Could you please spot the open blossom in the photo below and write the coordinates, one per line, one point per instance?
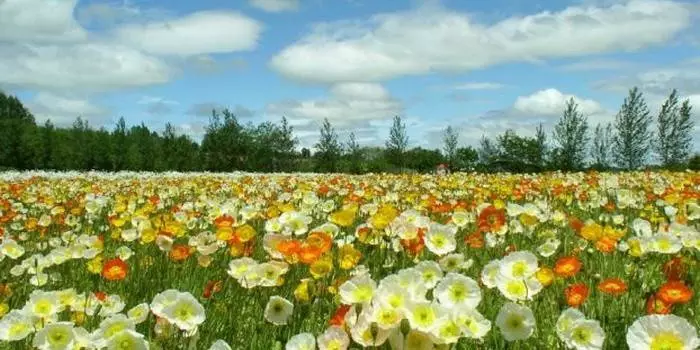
(516, 322)
(662, 332)
(278, 310)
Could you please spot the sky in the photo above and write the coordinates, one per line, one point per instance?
(480, 66)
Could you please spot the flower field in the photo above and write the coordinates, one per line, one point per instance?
(296, 261)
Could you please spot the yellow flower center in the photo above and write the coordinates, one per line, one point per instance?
(582, 335)
(666, 341)
(519, 269)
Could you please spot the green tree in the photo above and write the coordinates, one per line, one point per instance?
(328, 149)
(571, 137)
(602, 141)
(423, 160)
(488, 153)
(517, 153)
(450, 139)
(542, 152)
(674, 126)
(120, 146)
(466, 158)
(397, 143)
(354, 154)
(632, 136)
(15, 123)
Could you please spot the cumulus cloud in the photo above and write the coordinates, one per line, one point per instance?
(551, 102)
(197, 33)
(348, 103)
(63, 110)
(431, 38)
(90, 66)
(39, 21)
(275, 5)
(657, 83)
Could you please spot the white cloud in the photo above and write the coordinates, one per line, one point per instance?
(479, 86)
(597, 65)
(434, 39)
(39, 21)
(197, 33)
(348, 103)
(276, 5)
(85, 67)
(63, 110)
(551, 102)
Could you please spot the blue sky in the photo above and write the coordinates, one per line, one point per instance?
(480, 66)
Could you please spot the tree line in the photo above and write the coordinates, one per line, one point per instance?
(631, 141)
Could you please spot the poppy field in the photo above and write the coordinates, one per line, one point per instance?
(303, 261)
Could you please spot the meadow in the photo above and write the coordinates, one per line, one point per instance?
(305, 261)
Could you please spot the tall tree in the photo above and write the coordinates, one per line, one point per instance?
(571, 137)
(328, 148)
(684, 140)
(397, 143)
(450, 139)
(488, 152)
(15, 122)
(674, 126)
(286, 145)
(602, 141)
(541, 151)
(632, 135)
(354, 154)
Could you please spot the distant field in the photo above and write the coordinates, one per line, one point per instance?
(306, 261)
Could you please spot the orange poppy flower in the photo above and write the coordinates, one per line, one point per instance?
(491, 219)
(99, 295)
(657, 306)
(675, 292)
(576, 294)
(338, 318)
(414, 246)
(321, 240)
(567, 266)
(475, 240)
(613, 286)
(211, 288)
(115, 270)
(675, 269)
(224, 221)
(575, 223)
(606, 245)
(309, 253)
(180, 252)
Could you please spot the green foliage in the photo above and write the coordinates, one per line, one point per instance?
(397, 143)
(228, 145)
(466, 159)
(570, 134)
(602, 141)
(450, 140)
(632, 136)
(694, 162)
(328, 149)
(423, 160)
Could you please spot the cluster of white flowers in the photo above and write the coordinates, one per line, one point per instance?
(62, 249)
(41, 316)
(250, 274)
(513, 275)
(578, 332)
